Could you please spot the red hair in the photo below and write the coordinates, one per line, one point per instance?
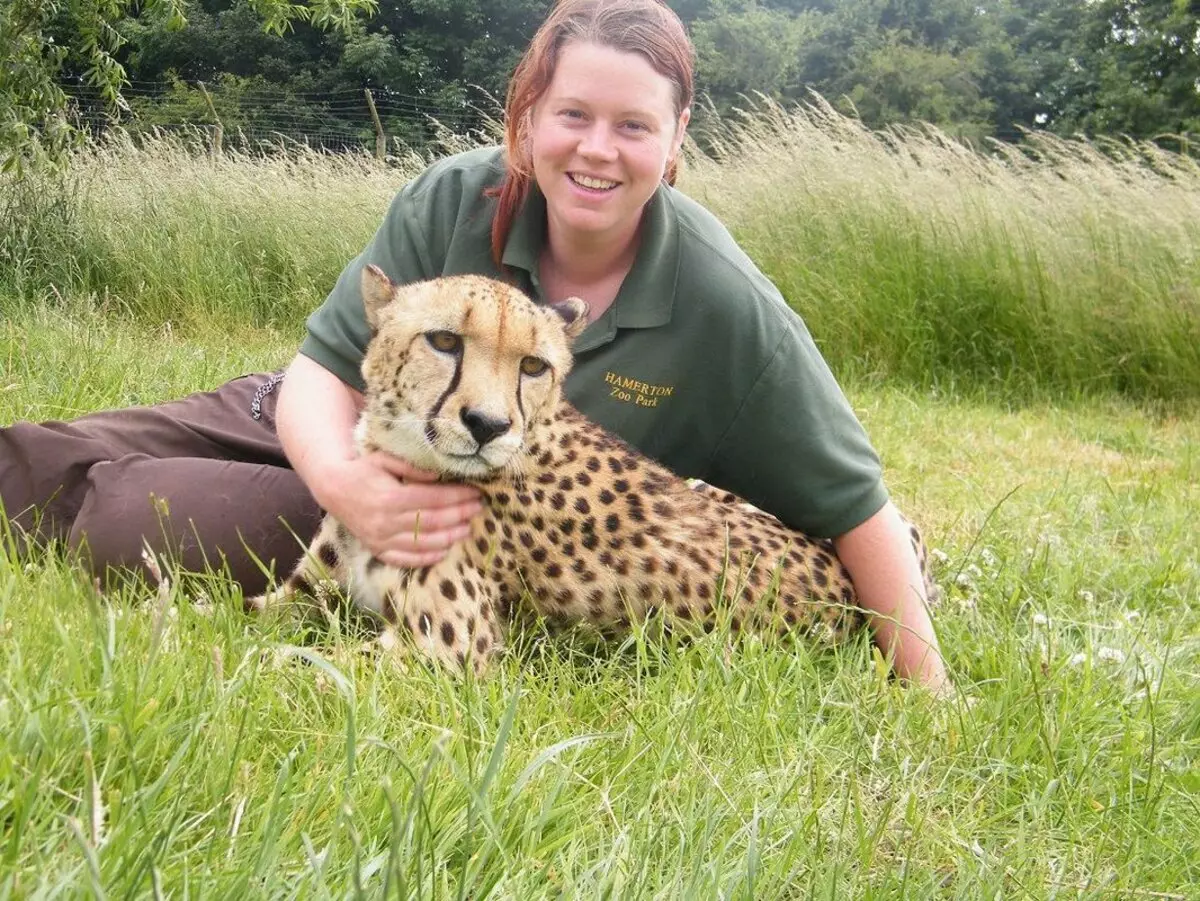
(646, 27)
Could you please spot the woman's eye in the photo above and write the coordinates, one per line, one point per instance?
(534, 366)
(446, 342)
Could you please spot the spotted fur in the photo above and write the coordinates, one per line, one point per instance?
(464, 377)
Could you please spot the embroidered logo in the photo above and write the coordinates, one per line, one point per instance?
(631, 391)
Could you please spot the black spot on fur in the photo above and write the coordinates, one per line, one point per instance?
(328, 555)
(448, 633)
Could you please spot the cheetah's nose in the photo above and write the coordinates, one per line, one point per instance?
(484, 428)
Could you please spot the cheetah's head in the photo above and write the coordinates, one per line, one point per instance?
(462, 371)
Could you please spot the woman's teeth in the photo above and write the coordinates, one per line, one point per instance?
(596, 184)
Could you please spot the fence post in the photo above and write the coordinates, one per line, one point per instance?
(218, 137)
(380, 137)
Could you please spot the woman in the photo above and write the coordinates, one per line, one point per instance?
(690, 354)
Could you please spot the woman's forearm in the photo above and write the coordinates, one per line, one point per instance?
(888, 581)
(315, 420)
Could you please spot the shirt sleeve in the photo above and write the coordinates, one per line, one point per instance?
(796, 449)
(337, 330)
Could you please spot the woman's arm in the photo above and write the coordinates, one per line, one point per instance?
(888, 581)
(391, 507)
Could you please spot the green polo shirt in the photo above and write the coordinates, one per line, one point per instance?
(698, 363)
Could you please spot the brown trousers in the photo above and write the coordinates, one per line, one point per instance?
(203, 480)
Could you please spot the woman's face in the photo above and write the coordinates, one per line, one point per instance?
(602, 136)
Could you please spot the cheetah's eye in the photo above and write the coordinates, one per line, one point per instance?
(446, 342)
(534, 366)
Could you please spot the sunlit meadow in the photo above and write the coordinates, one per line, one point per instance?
(1019, 333)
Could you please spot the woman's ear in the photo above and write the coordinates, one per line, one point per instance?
(685, 116)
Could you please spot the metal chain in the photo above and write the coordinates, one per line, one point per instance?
(263, 390)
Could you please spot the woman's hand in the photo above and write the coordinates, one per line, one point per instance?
(397, 511)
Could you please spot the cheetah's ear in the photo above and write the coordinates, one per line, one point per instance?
(574, 313)
(377, 292)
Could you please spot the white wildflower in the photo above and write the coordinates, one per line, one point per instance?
(1087, 597)
(939, 555)
(1131, 615)
(1040, 619)
(988, 557)
(1077, 659)
(1112, 655)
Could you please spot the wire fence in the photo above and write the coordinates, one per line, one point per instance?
(237, 114)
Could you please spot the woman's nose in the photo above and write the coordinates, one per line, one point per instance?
(597, 142)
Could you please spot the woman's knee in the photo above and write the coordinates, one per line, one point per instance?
(248, 520)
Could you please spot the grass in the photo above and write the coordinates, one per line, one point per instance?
(1061, 269)
(1058, 268)
(168, 742)
(1021, 345)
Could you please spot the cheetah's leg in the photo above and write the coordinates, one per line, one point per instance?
(321, 568)
(448, 612)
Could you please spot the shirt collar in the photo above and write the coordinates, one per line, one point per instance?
(648, 292)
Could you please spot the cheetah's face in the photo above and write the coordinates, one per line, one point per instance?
(462, 370)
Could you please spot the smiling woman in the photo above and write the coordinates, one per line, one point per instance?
(691, 355)
(598, 159)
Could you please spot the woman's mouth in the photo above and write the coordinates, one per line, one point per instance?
(591, 183)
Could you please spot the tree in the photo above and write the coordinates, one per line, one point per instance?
(748, 50)
(42, 40)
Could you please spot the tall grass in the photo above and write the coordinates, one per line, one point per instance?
(167, 234)
(163, 743)
(1057, 267)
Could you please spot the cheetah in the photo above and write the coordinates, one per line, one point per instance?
(464, 377)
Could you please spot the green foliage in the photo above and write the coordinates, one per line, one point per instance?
(974, 68)
(901, 82)
(749, 51)
(157, 739)
(1060, 269)
(46, 38)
